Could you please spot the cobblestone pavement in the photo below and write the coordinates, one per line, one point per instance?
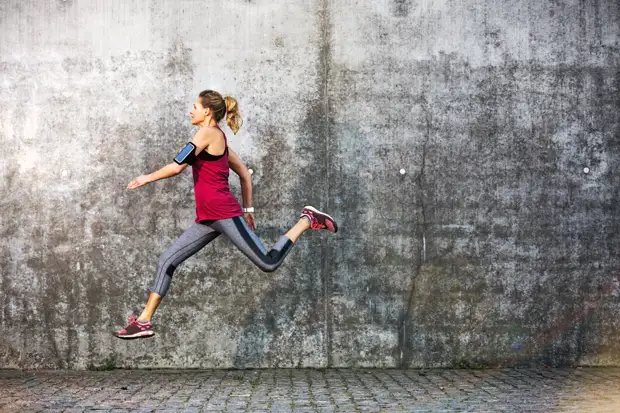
(510, 390)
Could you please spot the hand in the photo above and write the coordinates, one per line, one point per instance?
(138, 182)
(249, 219)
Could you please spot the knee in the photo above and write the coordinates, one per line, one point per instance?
(166, 263)
(162, 261)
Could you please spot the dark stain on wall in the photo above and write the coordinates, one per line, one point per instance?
(401, 8)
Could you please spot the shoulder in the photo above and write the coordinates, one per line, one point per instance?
(208, 134)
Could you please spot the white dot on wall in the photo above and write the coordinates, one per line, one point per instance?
(251, 171)
(402, 171)
(586, 170)
(64, 173)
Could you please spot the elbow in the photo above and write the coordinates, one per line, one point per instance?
(177, 169)
(245, 177)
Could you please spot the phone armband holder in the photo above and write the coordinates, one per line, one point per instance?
(186, 155)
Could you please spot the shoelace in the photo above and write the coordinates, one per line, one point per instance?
(314, 222)
(317, 225)
(134, 320)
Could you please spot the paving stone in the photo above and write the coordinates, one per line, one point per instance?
(338, 390)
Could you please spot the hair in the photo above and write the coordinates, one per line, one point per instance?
(222, 106)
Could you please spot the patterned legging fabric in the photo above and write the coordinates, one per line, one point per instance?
(199, 235)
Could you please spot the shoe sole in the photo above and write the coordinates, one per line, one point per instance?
(313, 209)
(141, 334)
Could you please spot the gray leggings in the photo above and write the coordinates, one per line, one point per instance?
(199, 235)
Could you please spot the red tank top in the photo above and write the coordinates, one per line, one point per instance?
(213, 197)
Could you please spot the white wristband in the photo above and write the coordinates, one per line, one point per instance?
(250, 209)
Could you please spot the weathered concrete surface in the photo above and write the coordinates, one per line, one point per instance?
(493, 248)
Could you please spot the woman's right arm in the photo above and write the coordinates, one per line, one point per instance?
(200, 140)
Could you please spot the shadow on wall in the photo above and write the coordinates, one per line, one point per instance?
(292, 320)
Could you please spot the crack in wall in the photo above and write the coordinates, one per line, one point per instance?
(420, 179)
(325, 63)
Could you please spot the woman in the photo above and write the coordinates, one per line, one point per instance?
(217, 210)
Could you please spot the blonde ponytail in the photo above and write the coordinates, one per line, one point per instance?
(233, 118)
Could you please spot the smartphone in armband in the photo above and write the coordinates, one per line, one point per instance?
(186, 155)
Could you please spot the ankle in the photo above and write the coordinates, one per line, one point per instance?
(306, 220)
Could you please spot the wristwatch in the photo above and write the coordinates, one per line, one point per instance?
(250, 209)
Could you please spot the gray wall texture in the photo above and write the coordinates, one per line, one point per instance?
(494, 247)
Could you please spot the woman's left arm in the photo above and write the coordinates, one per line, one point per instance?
(236, 164)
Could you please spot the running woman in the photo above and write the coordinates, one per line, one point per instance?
(217, 210)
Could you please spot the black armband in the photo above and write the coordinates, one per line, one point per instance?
(186, 155)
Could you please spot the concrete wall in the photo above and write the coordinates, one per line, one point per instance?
(493, 248)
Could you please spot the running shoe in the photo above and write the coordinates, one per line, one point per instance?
(318, 219)
(135, 329)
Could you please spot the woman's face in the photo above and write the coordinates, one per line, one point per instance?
(198, 113)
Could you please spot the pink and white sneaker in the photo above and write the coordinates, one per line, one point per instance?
(318, 219)
(135, 329)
